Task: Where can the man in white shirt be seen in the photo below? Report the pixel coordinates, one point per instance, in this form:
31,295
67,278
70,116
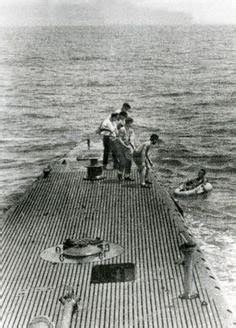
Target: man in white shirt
108,130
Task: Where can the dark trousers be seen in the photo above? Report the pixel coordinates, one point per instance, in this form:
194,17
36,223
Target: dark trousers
128,167
107,144
125,164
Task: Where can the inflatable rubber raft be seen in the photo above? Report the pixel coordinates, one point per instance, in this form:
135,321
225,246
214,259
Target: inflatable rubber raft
202,188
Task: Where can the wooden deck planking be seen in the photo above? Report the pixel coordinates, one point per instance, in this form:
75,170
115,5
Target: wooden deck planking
145,222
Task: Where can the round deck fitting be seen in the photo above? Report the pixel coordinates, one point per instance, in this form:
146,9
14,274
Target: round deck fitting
94,170
41,322
56,254
81,252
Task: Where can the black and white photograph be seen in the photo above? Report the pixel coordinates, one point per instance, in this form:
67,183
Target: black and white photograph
117,163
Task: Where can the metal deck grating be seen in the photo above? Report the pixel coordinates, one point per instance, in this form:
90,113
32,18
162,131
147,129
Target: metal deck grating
145,222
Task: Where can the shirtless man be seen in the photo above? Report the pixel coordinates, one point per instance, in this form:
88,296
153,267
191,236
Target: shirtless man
143,161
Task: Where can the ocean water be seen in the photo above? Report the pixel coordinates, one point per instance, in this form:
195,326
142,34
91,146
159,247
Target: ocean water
58,83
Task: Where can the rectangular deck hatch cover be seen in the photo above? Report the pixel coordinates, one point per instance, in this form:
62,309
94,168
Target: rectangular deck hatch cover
113,273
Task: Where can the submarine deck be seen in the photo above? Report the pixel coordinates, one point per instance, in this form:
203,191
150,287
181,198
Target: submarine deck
145,222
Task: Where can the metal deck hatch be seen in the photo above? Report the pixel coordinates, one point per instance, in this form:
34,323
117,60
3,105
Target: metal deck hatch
121,272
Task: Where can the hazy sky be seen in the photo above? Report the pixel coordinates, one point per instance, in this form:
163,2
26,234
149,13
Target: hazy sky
36,12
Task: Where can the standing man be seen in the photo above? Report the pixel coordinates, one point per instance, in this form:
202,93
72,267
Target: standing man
125,146
143,161
122,117
125,108
108,130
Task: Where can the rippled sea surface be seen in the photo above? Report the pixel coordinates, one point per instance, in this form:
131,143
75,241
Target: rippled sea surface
58,83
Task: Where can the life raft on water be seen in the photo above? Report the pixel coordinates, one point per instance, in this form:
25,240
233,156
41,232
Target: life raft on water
201,189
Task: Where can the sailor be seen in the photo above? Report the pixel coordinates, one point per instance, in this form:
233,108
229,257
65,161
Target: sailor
143,161
125,108
124,149
122,117
108,129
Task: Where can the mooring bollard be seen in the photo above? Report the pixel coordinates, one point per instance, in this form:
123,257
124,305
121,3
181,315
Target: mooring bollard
70,302
188,250
94,170
46,171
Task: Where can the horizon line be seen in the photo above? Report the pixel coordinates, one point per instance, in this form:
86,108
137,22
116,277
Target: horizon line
120,25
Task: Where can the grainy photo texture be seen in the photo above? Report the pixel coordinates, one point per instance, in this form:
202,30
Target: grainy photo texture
117,178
